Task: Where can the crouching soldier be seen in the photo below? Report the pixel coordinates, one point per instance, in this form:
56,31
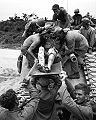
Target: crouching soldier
76,46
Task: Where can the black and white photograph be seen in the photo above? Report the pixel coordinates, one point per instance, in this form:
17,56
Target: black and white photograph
47,59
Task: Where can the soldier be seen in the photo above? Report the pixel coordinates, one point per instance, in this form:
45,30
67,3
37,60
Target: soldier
9,105
52,43
47,106
80,107
88,32
61,16
32,36
77,19
75,45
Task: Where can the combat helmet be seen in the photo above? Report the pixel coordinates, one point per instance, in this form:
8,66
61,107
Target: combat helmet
40,22
76,10
85,21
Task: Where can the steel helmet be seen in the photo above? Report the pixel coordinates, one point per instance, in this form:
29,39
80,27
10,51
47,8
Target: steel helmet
85,21
40,22
76,10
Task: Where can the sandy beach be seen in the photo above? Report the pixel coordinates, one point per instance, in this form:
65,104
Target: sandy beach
9,76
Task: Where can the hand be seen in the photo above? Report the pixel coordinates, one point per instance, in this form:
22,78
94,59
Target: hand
63,75
90,51
26,79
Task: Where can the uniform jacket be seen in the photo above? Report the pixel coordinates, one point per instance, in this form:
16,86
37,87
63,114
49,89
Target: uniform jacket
78,112
89,35
77,19
76,43
63,18
46,108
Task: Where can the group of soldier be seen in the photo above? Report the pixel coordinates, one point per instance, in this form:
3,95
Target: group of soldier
56,45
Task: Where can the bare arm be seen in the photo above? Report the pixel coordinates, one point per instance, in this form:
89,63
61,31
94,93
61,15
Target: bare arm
35,41
30,43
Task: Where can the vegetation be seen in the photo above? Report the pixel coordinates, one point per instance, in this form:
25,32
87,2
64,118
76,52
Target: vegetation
11,31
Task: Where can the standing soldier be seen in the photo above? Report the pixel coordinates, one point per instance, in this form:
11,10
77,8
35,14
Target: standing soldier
88,32
77,19
61,16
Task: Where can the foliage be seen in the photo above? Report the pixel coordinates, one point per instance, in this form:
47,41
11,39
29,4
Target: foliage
11,30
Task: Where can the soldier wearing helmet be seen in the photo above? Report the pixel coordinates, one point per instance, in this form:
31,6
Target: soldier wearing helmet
76,10
85,22
88,32
77,18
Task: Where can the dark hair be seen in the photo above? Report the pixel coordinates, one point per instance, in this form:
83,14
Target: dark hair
7,100
55,6
83,87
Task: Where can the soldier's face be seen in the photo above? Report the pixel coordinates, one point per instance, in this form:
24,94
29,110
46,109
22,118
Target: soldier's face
80,96
56,11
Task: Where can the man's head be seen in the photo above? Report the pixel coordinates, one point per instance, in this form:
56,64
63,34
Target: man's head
85,22
40,22
82,92
45,81
9,99
61,33
76,11
56,8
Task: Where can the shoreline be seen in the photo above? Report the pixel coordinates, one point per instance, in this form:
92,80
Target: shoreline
9,76
10,46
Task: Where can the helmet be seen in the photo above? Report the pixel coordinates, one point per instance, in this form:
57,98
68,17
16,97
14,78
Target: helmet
40,22
85,21
76,11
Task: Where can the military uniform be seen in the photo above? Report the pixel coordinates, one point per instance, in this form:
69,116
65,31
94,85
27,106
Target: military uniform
77,44
22,114
78,112
89,34
47,108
